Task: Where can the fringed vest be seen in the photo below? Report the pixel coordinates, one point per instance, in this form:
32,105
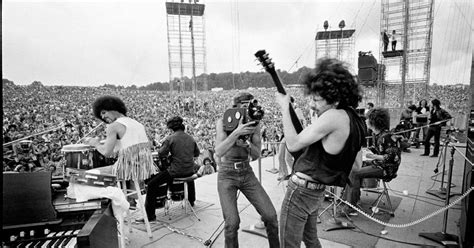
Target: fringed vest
134,154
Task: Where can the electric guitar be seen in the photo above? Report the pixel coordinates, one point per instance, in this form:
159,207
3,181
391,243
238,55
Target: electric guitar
269,66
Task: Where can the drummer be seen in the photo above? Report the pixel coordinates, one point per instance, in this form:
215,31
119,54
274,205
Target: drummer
124,136
380,161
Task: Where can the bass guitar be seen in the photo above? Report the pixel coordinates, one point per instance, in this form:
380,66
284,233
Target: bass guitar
269,66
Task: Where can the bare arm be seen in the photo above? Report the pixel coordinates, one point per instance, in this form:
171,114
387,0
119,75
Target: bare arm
113,131
256,144
330,122
224,142
358,161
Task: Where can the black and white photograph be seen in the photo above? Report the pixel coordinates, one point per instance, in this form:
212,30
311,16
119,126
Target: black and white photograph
237,123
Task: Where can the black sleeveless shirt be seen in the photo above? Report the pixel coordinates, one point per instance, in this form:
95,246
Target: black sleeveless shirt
331,169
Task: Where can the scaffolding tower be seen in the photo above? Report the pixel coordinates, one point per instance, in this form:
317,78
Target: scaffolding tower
337,44
186,45
408,66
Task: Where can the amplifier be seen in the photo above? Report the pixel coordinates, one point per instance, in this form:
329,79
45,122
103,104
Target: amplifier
367,61
367,74
466,227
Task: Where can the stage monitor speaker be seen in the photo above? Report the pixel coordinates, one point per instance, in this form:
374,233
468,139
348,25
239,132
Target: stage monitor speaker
466,227
367,74
367,61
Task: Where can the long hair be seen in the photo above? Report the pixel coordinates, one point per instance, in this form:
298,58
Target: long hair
175,123
379,118
108,103
332,81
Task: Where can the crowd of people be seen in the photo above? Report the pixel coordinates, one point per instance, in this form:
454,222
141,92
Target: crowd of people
32,109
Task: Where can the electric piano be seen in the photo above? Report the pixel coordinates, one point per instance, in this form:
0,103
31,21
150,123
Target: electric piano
35,217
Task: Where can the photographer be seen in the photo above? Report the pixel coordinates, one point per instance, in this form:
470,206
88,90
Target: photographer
234,150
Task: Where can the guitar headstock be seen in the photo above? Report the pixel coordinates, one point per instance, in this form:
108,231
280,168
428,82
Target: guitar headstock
266,61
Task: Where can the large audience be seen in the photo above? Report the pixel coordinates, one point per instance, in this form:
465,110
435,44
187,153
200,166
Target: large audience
52,117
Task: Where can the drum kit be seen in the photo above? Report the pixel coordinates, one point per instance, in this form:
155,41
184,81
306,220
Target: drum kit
162,163
80,157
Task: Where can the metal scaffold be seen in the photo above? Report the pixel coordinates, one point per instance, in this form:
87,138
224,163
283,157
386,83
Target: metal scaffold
337,44
408,65
186,45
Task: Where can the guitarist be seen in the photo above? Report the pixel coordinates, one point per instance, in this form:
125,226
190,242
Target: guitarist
328,148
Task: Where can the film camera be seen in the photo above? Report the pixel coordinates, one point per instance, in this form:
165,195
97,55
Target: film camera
249,111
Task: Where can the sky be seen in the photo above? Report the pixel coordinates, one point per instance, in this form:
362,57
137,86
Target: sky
91,43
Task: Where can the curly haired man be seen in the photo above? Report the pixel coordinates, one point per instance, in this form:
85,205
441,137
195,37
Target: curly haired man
328,148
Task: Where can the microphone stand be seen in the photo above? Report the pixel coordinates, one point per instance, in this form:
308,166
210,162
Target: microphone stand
441,192
33,135
442,237
335,223
93,130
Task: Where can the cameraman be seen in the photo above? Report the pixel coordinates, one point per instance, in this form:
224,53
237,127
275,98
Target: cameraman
234,151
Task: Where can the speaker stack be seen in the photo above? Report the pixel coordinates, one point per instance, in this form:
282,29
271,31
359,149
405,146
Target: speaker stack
467,205
367,69
466,227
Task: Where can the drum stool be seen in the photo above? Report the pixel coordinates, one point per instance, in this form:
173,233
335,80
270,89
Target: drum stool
162,198
141,206
382,192
186,203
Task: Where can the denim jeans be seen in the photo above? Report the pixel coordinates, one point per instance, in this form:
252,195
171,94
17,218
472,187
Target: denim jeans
423,130
229,180
153,191
433,131
352,193
299,214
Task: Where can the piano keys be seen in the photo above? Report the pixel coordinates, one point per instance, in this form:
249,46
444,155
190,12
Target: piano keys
69,227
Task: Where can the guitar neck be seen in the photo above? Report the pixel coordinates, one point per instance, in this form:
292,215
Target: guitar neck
294,118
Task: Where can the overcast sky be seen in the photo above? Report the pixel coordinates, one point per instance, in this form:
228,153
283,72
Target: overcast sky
72,42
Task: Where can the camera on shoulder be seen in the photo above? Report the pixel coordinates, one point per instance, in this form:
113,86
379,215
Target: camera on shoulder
249,111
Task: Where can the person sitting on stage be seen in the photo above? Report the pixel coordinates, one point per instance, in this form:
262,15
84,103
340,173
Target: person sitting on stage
405,124
382,161
182,150
233,154
124,136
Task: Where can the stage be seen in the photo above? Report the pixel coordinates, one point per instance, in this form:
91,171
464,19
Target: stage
415,177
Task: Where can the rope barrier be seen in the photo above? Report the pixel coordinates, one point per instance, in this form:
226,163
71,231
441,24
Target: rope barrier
178,231
462,155
410,223
413,129
418,220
